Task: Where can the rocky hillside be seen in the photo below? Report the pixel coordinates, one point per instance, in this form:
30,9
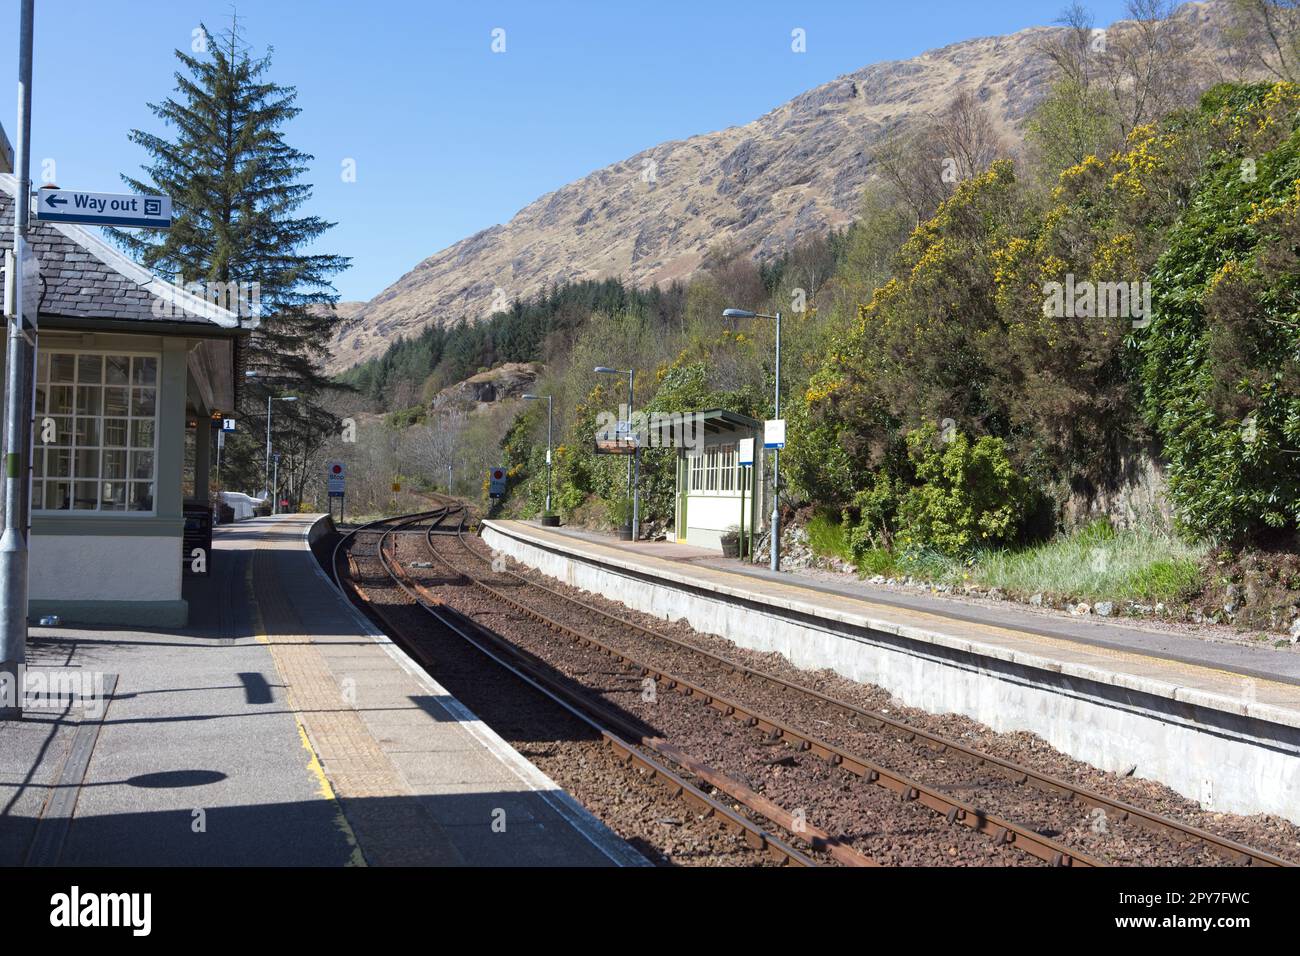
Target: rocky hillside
650,218
480,391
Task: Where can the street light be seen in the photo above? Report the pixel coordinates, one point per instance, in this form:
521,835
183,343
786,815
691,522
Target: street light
275,504
776,413
538,398
634,463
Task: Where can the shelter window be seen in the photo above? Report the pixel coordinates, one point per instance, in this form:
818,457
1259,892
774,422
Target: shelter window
95,446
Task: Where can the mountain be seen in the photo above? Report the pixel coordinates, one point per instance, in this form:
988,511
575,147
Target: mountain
793,172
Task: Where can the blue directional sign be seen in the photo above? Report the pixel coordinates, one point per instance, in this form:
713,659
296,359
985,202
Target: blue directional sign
103,209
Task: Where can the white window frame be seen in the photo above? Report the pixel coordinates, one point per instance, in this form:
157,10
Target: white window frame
38,506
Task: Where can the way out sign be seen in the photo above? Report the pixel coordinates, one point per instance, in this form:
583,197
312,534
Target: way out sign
496,482
334,478
103,209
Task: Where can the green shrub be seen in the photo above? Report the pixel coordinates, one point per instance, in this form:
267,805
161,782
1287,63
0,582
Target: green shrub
1219,359
968,495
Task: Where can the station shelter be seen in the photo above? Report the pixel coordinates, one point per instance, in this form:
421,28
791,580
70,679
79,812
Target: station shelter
716,493
131,372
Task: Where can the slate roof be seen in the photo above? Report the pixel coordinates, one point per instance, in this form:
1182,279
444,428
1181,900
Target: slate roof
86,278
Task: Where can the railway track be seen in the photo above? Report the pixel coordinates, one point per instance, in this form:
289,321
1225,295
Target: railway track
1107,809
520,594
651,757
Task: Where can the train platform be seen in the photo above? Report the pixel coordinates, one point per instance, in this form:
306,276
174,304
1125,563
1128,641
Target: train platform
1119,696
280,728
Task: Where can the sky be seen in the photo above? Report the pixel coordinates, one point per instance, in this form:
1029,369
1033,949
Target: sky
446,135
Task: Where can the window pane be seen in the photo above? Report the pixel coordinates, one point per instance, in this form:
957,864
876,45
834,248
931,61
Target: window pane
88,431
62,367
60,400
115,401
88,400
90,369
142,434
144,371
87,464
89,455
114,464
59,463
56,495
142,464
142,401
115,432
86,496
116,369
141,496
112,496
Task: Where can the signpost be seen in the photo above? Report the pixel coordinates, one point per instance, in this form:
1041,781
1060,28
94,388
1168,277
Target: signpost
103,209
496,482
774,433
334,482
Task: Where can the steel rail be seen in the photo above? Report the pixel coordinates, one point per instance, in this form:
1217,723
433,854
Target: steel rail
954,810
1231,850
461,626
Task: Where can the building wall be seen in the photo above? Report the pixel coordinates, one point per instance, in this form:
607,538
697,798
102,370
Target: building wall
710,512
120,568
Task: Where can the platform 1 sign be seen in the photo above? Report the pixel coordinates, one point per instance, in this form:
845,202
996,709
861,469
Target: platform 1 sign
334,476
496,482
103,209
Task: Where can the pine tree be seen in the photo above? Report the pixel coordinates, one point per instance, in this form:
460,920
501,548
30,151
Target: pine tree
235,189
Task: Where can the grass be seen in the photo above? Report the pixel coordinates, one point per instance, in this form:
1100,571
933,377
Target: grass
826,536
1096,563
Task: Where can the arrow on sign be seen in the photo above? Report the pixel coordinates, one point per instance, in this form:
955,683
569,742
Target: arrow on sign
55,201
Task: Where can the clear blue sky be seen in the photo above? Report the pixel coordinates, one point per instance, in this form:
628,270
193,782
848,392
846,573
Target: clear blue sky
447,136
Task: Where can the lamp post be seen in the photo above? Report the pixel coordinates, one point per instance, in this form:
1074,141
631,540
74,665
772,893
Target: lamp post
776,413
275,486
634,463
19,363
269,400
537,398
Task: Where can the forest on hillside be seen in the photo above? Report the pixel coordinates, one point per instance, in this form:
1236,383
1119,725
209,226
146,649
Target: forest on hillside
1090,337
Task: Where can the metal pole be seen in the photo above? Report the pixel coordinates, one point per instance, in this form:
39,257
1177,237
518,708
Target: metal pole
636,459
13,543
449,479
548,454
267,475
776,460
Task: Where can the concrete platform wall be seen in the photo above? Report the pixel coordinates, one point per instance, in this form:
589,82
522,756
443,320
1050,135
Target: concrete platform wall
1227,761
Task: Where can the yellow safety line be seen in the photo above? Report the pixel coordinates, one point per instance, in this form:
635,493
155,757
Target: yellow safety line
993,630
314,766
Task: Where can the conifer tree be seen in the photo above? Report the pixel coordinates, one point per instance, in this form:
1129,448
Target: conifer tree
236,192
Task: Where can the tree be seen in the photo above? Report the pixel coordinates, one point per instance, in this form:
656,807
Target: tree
235,190
1265,34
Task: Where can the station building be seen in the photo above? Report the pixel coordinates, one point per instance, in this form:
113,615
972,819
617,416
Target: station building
131,371
715,492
